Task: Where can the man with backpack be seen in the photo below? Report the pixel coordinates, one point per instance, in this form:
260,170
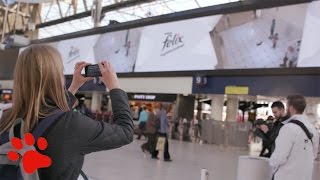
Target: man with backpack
297,144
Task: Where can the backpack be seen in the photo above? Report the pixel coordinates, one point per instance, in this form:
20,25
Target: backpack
10,170
304,128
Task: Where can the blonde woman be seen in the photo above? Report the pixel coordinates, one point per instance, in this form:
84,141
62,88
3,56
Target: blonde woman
39,91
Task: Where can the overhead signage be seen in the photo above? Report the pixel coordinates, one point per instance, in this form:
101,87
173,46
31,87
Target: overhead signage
227,41
201,80
237,90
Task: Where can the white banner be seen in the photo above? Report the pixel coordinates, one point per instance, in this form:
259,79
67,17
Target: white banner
310,46
120,48
75,50
178,46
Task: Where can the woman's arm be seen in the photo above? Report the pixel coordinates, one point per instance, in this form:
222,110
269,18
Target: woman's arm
97,136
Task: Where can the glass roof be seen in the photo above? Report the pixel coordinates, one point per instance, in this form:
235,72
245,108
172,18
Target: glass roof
52,11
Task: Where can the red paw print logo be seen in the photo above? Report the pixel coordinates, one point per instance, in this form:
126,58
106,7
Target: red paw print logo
32,160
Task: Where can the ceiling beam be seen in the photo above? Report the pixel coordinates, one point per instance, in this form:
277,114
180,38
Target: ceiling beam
194,13
14,11
88,13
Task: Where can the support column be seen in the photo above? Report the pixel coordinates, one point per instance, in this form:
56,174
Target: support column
199,109
97,13
217,103
312,110
109,105
185,107
96,101
232,108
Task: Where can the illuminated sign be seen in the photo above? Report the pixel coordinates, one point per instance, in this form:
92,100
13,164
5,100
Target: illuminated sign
144,97
152,97
240,90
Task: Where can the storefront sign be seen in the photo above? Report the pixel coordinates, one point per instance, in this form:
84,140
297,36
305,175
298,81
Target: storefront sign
153,97
144,97
6,91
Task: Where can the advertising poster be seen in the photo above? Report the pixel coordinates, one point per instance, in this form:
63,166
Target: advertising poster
310,46
75,50
268,38
177,46
120,48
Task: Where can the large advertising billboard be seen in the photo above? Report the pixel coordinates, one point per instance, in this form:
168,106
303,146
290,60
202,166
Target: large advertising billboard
177,46
266,38
310,46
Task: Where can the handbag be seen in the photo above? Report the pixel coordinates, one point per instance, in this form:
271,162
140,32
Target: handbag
160,143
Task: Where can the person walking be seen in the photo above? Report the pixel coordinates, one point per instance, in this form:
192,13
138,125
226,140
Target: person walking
275,39
150,131
163,126
196,130
297,144
273,27
142,122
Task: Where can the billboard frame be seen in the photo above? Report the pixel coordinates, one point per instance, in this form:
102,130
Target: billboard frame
228,8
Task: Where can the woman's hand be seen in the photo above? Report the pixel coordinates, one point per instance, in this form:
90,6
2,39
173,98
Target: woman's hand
109,77
78,80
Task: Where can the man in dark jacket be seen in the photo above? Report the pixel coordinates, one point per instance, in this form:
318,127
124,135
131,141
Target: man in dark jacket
280,116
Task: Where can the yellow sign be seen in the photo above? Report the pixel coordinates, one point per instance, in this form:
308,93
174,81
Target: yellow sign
240,90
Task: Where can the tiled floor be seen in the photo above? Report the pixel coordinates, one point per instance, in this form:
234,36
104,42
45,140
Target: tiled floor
129,163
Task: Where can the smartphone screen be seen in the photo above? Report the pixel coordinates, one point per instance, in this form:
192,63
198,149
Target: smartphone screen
92,71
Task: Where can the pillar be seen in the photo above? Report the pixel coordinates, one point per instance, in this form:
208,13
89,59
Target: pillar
217,103
97,12
96,101
232,107
312,110
185,107
199,109
109,104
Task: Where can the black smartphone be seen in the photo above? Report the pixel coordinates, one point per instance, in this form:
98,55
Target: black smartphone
92,71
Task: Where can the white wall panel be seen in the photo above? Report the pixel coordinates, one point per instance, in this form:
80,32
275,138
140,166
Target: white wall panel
176,85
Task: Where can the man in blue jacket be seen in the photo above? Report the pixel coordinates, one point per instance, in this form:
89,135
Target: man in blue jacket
163,126
142,121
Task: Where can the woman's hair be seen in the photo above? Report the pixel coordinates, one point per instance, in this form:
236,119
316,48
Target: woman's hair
38,86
